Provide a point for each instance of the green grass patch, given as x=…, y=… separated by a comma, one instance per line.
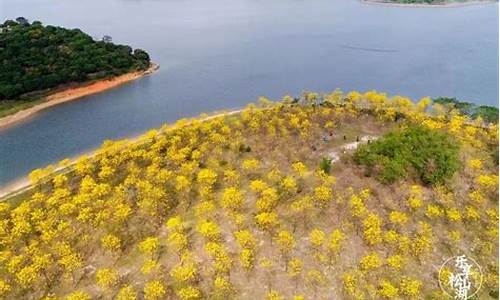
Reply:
x=325, y=165
x=10, y=107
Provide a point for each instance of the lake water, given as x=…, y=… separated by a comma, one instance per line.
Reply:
x=218, y=54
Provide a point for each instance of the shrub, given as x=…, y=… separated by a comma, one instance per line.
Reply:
x=430, y=154
x=244, y=148
x=325, y=165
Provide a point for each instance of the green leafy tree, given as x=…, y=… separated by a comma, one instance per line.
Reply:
x=431, y=153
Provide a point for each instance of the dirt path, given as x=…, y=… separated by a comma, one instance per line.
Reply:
x=75, y=93
x=335, y=154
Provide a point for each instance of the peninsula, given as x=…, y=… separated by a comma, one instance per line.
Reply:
x=46, y=65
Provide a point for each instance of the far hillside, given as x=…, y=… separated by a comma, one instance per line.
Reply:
x=430, y=2
x=36, y=57
x=487, y=113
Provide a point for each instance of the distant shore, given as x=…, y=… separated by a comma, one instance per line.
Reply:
x=419, y=5
x=74, y=93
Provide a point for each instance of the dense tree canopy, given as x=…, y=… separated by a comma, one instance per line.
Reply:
x=36, y=57
x=433, y=155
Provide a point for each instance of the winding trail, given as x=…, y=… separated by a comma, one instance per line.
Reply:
x=335, y=155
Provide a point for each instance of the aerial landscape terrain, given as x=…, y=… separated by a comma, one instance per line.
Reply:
x=123, y=180
x=269, y=202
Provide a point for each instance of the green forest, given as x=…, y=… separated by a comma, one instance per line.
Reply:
x=36, y=57
x=487, y=113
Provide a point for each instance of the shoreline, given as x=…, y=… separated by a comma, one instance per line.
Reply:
x=22, y=184
x=74, y=93
x=421, y=5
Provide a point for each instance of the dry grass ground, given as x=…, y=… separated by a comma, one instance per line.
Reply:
x=131, y=193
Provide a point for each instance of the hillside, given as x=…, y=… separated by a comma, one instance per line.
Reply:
x=298, y=199
x=36, y=57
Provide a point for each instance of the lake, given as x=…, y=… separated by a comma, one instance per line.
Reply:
x=222, y=54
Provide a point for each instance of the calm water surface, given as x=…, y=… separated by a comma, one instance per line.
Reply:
x=217, y=54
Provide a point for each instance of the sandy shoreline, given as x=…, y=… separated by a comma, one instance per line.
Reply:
x=414, y=5
x=23, y=183
x=71, y=94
